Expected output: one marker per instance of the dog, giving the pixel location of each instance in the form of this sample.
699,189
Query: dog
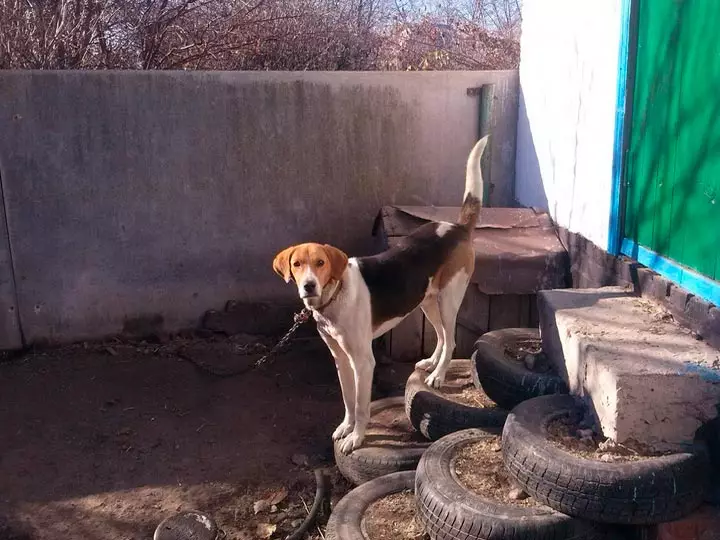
355,300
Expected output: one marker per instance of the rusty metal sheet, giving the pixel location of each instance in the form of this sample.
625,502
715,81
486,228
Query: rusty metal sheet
519,261
393,222
517,249
490,218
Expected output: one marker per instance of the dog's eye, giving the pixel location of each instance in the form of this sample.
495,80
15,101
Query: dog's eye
296,264
320,262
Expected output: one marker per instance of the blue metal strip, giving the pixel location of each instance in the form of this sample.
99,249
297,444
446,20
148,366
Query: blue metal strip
616,194
699,285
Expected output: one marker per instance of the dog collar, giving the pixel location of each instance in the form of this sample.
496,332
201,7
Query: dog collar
338,287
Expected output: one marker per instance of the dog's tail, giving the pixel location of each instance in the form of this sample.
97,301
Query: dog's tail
474,186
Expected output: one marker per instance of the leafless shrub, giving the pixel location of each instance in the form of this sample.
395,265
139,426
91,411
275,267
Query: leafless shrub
429,45
257,34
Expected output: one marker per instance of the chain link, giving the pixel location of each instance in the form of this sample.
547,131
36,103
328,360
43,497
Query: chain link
299,318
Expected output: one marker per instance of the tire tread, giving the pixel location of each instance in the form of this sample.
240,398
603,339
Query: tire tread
619,493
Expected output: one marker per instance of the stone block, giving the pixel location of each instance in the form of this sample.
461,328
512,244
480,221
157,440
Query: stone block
677,301
653,285
626,271
646,378
710,330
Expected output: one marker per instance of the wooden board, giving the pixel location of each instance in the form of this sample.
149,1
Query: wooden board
505,311
672,174
429,338
405,340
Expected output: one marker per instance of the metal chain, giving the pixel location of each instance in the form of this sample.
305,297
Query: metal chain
299,318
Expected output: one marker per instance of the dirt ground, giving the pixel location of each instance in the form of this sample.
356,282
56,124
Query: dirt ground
567,435
393,518
490,481
459,387
103,441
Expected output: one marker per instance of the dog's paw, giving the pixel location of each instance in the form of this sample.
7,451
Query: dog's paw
351,442
426,365
435,379
342,430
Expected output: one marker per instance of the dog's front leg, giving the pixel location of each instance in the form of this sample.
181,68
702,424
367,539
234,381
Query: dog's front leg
347,386
363,364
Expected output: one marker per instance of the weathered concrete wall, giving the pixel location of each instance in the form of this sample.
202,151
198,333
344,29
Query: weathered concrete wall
135,194
10,334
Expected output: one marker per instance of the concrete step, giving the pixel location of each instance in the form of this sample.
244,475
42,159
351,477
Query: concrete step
646,378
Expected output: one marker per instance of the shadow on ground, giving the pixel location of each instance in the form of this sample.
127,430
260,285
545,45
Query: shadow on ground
104,441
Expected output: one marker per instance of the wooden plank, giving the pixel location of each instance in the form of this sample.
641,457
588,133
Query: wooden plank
406,339
504,311
524,315
429,338
473,319
695,210
650,155
464,342
665,212
380,240
534,316
474,311
472,322
673,168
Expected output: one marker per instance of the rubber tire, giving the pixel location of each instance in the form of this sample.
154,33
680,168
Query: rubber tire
345,522
434,415
367,462
506,381
643,492
192,524
449,511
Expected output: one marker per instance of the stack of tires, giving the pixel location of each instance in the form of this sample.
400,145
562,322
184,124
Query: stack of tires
573,496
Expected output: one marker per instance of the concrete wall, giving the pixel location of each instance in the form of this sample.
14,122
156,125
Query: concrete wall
566,119
10,334
164,194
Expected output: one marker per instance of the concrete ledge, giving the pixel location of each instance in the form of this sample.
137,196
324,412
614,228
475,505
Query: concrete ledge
647,378
591,267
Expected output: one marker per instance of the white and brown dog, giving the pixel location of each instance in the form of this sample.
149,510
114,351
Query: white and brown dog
357,300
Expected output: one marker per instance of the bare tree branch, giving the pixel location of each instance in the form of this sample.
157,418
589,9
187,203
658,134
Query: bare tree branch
259,34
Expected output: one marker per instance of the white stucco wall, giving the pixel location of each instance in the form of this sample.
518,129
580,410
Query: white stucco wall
566,122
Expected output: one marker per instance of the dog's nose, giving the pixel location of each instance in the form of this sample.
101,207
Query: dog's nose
309,287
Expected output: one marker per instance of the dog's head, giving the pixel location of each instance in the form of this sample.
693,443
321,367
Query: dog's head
311,267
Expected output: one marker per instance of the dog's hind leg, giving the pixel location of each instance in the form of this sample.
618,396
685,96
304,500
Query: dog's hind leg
431,309
347,386
451,296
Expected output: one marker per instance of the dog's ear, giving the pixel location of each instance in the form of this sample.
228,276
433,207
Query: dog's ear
338,261
281,264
